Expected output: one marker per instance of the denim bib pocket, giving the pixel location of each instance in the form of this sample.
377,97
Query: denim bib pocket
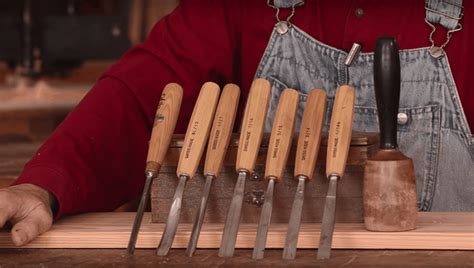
277,88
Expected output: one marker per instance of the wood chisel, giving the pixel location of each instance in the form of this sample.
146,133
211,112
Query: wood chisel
219,139
339,139
163,128
277,155
193,147
305,161
251,133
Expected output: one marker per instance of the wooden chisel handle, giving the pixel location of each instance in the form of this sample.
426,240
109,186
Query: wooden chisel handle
198,130
340,131
310,134
252,125
221,131
282,133
163,126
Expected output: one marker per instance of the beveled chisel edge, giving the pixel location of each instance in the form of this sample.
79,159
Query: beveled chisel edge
327,227
173,219
291,242
264,223
199,217
231,227
149,176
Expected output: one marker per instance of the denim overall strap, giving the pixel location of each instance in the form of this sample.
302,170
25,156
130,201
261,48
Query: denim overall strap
285,3
444,12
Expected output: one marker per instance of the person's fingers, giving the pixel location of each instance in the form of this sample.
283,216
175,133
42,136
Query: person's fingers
8,206
35,223
27,208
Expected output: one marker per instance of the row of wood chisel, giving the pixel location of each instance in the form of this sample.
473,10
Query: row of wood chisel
249,144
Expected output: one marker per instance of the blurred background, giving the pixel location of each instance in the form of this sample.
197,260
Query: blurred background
51,53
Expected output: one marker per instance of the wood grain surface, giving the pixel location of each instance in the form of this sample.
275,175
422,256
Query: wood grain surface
112,230
198,130
221,131
281,137
340,131
310,134
251,130
163,126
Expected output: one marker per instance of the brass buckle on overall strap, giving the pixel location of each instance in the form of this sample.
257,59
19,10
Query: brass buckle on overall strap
282,26
444,12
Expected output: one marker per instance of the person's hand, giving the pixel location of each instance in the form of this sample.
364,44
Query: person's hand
28,208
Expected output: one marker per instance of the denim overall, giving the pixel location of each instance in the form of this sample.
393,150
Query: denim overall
432,128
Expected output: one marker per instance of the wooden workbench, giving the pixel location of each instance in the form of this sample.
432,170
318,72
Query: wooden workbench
242,258
435,230
101,238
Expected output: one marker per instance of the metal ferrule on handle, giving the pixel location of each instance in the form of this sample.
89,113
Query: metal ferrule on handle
152,173
300,176
243,170
334,176
274,178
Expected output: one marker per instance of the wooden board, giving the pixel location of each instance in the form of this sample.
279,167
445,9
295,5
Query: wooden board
447,230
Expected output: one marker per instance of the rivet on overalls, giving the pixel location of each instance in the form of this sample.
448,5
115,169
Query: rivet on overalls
402,118
282,27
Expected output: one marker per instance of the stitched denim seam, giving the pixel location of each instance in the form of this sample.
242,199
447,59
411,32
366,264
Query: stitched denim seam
411,110
304,66
407,82
342,72
451,86
273,78
433,156
317,45
266,55
331,51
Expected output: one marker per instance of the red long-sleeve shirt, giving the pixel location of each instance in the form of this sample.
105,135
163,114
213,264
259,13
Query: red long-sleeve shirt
94,161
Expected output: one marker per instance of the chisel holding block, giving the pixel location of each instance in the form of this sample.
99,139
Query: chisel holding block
193,147
277,155
163,128
219,139
309,140
249,144
340,133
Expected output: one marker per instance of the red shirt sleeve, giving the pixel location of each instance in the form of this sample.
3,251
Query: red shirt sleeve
95,159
